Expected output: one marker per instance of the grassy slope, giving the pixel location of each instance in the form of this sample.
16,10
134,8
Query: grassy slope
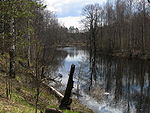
23,98
17,103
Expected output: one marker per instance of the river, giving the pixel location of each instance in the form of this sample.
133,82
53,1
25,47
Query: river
119,85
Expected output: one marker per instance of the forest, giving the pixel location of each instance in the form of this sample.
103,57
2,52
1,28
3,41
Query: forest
121,28
30,35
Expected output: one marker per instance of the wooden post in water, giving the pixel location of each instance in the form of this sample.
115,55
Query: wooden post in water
66,101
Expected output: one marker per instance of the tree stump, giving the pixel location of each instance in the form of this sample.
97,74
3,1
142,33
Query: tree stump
66,101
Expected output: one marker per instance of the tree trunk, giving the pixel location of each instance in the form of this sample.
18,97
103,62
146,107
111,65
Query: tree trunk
12,63
29,47
12,50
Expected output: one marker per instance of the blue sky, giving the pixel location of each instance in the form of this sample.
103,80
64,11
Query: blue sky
69,11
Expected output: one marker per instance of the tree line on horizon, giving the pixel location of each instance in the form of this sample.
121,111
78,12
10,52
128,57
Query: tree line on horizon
25,21
118,26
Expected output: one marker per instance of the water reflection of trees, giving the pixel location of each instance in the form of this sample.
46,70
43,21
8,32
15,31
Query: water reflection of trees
71,51
128,81
55,60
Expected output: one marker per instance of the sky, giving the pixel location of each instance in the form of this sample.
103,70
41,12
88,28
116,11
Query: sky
69,11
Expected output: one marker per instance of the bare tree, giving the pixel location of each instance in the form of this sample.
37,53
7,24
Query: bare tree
92,14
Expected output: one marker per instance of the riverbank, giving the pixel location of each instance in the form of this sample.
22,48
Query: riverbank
136,54
78,44
126,54
23,95
23,100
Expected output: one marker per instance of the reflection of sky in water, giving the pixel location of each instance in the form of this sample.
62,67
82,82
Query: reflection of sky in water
74,57
99,107
107,105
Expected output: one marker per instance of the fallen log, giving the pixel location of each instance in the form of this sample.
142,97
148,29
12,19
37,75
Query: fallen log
56,93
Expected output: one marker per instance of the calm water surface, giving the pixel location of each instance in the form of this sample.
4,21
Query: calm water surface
118,85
